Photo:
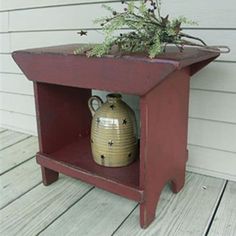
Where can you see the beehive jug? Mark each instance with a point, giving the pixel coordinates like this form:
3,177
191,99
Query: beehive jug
113,131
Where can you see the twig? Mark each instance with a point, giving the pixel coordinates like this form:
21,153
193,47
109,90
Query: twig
192,37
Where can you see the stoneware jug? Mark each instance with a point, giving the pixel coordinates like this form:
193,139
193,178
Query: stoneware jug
113,131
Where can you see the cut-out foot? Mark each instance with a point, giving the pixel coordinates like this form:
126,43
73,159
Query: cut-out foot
147,215
49,176
148,210
178,183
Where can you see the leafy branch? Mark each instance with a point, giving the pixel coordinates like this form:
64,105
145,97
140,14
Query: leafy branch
150,32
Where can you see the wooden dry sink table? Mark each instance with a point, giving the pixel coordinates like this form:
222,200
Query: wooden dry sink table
62,86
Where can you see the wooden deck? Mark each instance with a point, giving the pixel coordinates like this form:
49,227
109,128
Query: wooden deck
206,206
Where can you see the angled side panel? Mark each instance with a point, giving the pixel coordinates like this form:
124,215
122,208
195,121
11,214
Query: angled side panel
164,122
131,76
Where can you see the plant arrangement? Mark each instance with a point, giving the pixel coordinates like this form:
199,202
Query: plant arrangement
149,31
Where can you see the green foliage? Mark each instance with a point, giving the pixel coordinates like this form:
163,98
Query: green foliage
149,31
156,48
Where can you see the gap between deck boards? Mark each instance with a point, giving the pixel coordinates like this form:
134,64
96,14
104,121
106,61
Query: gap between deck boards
169,201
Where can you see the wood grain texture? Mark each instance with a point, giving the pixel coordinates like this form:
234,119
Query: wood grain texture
225,218
18,153
99,213
186,213
18,181
31,213
9,137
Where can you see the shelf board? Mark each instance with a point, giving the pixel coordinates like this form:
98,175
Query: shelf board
76,160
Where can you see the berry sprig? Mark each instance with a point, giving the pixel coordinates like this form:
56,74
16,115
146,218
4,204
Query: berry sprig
149,31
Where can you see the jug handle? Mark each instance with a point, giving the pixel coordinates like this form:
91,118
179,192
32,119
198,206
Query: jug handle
90,104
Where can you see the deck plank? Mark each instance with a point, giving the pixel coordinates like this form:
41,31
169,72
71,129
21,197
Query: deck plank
224,222
29,208
10,137
99,213
18,153
18,181
35,210
186,213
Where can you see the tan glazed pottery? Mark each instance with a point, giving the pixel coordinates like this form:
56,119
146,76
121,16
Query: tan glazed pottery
113,131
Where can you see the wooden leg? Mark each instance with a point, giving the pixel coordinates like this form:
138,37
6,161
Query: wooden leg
163,156
148,211
49,176
178,182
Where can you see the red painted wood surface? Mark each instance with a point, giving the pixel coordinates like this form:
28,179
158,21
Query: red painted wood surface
164,115
80,165
63,83
129,74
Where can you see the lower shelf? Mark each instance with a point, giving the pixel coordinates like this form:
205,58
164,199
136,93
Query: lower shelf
75,160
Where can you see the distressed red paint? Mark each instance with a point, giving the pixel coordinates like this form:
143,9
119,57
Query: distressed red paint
62,85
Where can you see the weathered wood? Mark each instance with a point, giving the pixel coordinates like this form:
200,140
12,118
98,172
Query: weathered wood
9,137
49,176
224,222
163,85
69,70
164,111
35,210
187,213
18,181
184,214
18,153
123,181
99,213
